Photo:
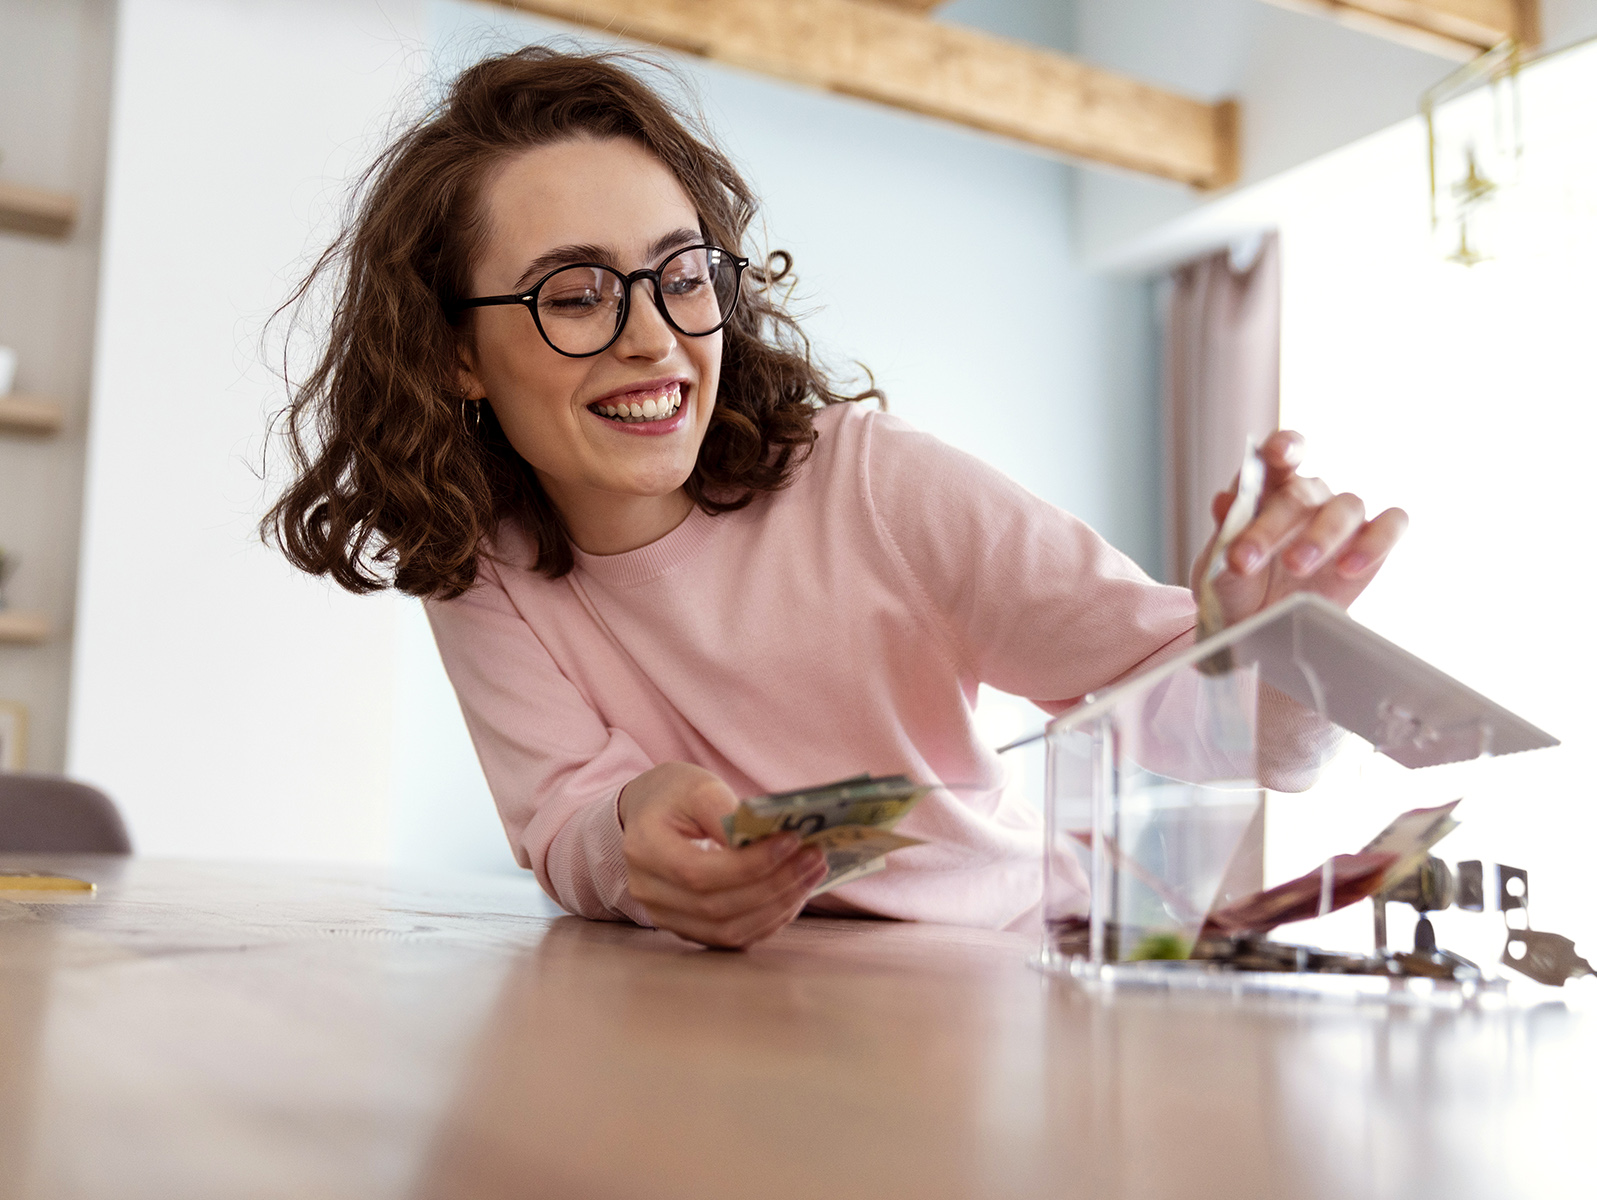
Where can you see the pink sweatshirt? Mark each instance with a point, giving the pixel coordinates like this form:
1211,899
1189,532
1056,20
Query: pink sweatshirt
835,627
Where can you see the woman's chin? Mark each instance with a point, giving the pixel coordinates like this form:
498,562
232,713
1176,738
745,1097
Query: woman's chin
650,485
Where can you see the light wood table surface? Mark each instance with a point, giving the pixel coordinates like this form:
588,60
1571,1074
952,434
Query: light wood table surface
200,1030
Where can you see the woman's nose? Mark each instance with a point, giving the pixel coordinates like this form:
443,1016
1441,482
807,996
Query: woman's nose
646,334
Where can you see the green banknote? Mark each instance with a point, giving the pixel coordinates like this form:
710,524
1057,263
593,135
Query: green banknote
851,820
880,802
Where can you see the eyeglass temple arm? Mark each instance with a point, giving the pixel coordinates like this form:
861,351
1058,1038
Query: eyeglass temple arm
652,275
485,301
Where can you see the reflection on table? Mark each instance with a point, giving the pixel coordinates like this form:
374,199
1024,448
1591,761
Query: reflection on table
217,1030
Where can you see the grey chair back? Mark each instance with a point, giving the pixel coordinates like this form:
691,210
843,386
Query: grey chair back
49,814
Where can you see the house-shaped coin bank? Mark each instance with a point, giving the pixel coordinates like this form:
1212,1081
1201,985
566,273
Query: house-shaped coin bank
1155,787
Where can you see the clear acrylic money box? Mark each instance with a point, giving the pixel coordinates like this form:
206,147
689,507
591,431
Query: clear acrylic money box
1156,788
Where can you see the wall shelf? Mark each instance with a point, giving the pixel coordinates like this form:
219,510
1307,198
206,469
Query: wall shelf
29,414
27,628
37,211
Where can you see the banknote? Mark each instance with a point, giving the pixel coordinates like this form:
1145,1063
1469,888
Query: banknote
1342,880
851,820
874,802
855,850
1250,486
868,868
1410,837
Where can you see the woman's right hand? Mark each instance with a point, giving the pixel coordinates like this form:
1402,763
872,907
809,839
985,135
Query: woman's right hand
681,870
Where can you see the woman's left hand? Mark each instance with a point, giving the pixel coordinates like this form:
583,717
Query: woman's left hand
1303,539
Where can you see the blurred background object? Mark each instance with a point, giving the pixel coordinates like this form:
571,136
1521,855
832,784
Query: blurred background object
48,814
13,736
1222,382
1475,141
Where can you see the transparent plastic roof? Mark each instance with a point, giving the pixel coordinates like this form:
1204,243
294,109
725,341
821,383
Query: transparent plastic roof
1314,652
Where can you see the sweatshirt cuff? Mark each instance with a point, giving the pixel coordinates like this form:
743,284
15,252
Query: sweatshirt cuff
588,868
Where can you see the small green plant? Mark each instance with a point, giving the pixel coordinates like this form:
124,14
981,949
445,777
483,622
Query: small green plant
1161,946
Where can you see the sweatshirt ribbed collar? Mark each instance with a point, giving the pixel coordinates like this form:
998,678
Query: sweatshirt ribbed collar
649,562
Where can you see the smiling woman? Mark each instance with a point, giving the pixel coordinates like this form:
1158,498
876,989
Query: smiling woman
664,564
558,396
402,475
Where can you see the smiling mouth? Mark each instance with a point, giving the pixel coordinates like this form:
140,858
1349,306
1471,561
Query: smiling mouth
639,408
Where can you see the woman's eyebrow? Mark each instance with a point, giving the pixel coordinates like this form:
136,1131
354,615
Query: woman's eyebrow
581,252
674,240
560,256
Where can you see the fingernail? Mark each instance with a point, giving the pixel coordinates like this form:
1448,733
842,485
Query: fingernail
1353,564
1302,558
784,845
1247,558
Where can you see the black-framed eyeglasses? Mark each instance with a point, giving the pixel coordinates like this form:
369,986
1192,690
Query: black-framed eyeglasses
581,309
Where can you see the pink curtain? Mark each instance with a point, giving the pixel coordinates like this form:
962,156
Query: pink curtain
1222,383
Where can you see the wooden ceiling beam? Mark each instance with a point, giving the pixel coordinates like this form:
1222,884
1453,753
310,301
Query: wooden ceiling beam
869,50
915,6
1457,29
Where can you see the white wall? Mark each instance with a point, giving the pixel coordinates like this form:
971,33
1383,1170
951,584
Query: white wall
1471,402
236,710
1053,385
231,707
1466,396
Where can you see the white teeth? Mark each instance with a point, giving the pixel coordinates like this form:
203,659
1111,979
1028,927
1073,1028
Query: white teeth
655,408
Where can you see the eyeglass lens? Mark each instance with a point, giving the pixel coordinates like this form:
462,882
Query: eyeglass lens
579,308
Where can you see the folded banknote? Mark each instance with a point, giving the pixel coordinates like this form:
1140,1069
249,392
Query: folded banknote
851,821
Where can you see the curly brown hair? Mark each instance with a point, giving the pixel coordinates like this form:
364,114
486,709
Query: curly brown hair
393,485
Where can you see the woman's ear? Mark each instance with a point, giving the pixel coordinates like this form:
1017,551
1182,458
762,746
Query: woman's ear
471,387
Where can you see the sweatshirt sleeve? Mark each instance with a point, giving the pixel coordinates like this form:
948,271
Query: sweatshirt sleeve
1028,598
1036,603
555,770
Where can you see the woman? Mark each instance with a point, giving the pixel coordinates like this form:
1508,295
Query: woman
666,563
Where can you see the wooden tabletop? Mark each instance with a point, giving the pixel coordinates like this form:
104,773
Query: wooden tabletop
202,1030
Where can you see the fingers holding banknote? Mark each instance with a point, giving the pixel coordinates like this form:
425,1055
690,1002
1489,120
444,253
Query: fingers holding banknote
1302,537
681,870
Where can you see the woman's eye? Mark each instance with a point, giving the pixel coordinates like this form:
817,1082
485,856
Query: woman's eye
572,303
681,285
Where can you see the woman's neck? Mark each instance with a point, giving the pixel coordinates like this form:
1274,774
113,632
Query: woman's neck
613,523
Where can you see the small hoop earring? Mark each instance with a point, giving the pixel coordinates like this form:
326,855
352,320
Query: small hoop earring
474,424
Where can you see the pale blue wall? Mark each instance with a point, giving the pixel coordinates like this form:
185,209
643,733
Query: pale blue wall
314,724
1051,378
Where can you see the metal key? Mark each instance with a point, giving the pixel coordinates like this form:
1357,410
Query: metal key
1548,958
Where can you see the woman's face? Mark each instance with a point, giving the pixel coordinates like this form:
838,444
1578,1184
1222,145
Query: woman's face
611,202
